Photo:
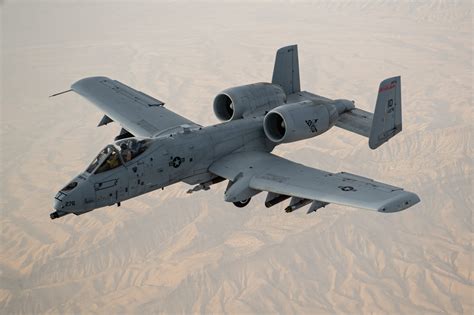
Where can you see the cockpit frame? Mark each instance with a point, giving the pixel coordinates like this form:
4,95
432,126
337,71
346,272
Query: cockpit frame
118,154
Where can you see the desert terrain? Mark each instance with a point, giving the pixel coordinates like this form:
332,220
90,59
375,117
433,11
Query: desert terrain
170,252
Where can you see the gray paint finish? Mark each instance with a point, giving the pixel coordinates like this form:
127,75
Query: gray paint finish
157,147
286,72
140,114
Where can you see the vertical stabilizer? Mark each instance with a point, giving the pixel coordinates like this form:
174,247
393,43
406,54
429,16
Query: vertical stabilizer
387,120
286,72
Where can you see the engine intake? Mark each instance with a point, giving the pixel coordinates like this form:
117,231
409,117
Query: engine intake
275,126
253,99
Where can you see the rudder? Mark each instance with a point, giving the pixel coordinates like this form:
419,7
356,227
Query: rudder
387,120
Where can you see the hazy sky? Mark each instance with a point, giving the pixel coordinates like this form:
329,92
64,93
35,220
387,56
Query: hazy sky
175,253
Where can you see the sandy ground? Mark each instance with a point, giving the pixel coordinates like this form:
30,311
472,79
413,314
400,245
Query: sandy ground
174,253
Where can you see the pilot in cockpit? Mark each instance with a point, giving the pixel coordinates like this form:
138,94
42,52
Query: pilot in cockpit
126,152
113,161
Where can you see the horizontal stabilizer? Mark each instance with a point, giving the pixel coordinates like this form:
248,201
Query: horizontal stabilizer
356,120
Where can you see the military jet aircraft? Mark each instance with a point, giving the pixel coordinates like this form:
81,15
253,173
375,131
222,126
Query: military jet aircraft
157,147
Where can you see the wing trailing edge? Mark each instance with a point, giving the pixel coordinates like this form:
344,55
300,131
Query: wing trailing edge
261,171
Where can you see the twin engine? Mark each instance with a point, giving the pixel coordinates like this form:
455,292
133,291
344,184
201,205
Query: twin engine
283,122
252,99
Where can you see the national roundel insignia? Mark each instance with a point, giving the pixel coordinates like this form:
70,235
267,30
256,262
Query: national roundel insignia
347,188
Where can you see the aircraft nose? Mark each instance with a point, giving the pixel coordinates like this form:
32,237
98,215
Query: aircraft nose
59,199
76,197
57,204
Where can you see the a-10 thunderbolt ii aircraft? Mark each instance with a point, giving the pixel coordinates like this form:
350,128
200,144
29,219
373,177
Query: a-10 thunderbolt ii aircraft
157,147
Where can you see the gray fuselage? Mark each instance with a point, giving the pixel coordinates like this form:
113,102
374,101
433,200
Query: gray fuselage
184,155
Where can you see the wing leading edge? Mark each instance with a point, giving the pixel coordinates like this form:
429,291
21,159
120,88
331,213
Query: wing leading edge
266,172
138,113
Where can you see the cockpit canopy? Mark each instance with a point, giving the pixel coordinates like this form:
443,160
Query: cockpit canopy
115,155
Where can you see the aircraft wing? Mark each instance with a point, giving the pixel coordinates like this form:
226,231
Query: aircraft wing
266,172
138,113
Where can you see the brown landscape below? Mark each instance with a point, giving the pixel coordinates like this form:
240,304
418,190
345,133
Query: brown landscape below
170,252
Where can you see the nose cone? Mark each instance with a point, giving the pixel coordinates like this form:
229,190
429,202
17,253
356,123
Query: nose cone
57,204
77,197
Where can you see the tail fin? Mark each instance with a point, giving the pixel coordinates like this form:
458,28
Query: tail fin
286,72
387,120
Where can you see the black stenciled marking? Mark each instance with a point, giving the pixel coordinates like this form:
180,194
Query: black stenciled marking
390,106
312,125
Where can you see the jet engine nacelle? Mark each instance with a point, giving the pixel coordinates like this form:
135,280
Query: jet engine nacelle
237,102
303,120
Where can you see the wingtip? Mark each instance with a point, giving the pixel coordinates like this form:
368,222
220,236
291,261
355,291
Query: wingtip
401,202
